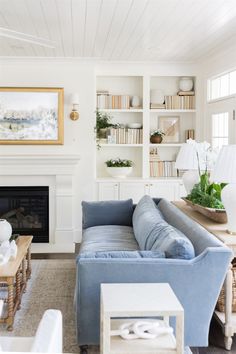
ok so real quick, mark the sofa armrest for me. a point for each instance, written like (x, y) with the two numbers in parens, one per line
(48, 338)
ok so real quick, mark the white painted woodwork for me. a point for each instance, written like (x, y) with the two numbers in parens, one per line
(137, 301)
(171, 189)
(108, 191)
(119, 30)
(57, 172)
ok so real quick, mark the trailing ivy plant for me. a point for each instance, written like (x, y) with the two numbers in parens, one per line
(207, 194)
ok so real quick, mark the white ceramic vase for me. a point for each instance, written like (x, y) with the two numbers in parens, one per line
(119, 172)
(186, 84)
(135, 101)
(5, 230)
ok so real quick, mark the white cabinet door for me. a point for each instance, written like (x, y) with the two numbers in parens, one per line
(182, 191)
(167, 190)
(134, 190)
(108, 191)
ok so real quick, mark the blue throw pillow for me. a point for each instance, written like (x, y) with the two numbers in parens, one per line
(123, 254)
(152, 232)
(111, 212)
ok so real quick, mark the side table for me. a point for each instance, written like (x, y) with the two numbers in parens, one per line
(226, 319)
(13, 276)
(138, 301)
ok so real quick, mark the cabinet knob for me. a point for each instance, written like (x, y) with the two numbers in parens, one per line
(151, 184)
(146, 185)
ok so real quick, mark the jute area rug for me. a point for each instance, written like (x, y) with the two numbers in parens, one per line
(51, 287)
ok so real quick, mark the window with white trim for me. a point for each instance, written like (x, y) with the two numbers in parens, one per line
(220, 129)
(222, 86)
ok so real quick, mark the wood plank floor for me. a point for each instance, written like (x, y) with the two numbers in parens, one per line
(216, 338)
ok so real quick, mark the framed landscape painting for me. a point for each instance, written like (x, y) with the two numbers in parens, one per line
(31, 115)
(171, 127)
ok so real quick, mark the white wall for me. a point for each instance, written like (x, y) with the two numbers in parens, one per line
(75, 76)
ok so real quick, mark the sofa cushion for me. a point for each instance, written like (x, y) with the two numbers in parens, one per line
(112, 212)
(123, 254)
(152, 232)
(108, 238)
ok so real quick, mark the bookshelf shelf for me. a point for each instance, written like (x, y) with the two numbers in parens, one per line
(120, 145)
(172, 110)
(164, 145)
(131, 110)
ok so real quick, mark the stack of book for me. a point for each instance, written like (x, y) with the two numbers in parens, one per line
(157, 106)
(160, 168)
(189, 134)
(125, 136)
(180, 102)
(107, 101)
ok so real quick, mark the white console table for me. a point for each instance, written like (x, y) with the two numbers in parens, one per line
(226, 319)
(123, 301)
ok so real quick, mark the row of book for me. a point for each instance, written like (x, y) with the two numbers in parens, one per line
(106, 101)
(189, 134)
(125, 136)
(163, 169)
(180, 102)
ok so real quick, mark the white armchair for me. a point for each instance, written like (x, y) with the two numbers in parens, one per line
(48, 337)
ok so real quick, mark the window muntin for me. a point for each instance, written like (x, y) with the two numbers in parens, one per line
(222, 86)
(220, 129)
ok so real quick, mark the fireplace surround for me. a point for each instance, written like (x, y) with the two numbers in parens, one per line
(57, 172)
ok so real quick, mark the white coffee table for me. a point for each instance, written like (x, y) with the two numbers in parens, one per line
(120, 302)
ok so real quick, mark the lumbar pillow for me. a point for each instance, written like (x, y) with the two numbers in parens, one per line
(152, 232)
(111, 212)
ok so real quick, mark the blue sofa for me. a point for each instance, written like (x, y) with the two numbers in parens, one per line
(111, 252)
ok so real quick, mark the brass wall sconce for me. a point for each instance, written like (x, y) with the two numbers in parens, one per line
(74, 115)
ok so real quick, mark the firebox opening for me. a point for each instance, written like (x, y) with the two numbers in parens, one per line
(27, 210)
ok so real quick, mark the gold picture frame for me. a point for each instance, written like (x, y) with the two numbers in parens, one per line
(170, 125)
(31, 116)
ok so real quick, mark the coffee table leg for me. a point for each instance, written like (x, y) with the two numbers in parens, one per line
(24, 273)
(28, 263)
(18, 288)
(10, 317)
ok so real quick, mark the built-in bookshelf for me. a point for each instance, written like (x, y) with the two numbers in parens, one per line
(128, 100)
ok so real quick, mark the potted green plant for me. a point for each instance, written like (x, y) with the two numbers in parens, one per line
(119, 168)
(156, 136)
(103, 121)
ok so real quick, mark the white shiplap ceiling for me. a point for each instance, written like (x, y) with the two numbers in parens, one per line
(119, 30)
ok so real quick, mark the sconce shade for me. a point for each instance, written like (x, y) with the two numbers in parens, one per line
(187, 158)
(225, 167)
(74, 98)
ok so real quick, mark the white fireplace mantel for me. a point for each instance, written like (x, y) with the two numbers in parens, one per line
(56, 171)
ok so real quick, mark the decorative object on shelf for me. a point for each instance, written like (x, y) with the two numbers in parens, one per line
(31, 115)
(186, 84)
(171, 127)
(5, 230)
(134, 125)
(217, 215)
(225, 172)
(103, 121)
(74, 115)
(156, 136)
(135, 102)
(119, 168)
(142, 329)
(157, 97)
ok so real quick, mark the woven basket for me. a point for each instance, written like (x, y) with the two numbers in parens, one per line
(220, 306)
